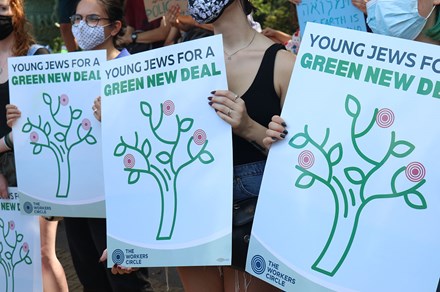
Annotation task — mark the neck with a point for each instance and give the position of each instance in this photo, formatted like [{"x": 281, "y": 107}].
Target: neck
[
  {"x": 234, "y": 27},
  {"x": 6, "y": 45}
]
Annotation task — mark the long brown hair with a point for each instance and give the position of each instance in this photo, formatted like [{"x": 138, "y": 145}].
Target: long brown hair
[{"x": 22, "y": 35}]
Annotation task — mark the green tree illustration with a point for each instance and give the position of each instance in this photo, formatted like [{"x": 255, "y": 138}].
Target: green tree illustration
[
  {"x": 59, "y": 136},
  {"x": 350, "y": 203},
  {"x": 164, "y": 166},
  {"x": 12, "y": 253}
]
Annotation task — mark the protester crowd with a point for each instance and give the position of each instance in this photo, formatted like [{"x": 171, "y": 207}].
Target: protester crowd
[{"x": 258, "y": 71}]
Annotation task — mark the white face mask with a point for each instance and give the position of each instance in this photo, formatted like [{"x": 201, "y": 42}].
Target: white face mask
[
  {"x": 398, "y": 18},
  {"x": 88, "y": 37}
]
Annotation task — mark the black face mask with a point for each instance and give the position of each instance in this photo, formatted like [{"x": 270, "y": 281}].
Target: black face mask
[{"x": 5, "y": 26}]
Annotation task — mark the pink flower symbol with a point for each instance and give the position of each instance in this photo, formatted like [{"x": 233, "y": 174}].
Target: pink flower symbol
[
  {"x": 25, "y": 247},
  {"x": 86, "y": 124},
  {"x": 64, "y": 99},
  {"x": 129, "y": 161},
  {"x": 415, "y": 171},
  {"x": 306, "y": 159},
  {"x": 199, "y": 137},
  {"x": 11, "y": 225},
  {"x": 385, "y": 118},
  {"x": 34, "y": 137},
  {"x": 168, "y": 107}
]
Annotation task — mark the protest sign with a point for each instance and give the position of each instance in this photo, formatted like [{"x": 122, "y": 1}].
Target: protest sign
[
  {"x": 349, "y": 199},
  {"x": 158, "y": 8},
  {"x": 57, "y": 140},
  {"x": 20, "y": 258},
  {"x": 340, "y": 13},
  {"x": 167, "y": 157}
]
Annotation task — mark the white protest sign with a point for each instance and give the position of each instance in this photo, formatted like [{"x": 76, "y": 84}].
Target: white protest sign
[
  {"x": 20, "y": 258},
  {"x": 340, "y": 13},
  {"x": 57, "y": 140},
  {"x": 349, "y": 200},
  {"x": 167, "y": 157}
]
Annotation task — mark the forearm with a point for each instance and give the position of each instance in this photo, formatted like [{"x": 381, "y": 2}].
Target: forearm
[
  {"x": 254, "y": 134},
  {"x": 6, "y": 143}
]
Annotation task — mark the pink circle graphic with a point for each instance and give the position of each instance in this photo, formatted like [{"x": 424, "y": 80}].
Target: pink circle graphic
[
  {"x": 64, "y": 99},
  {"x": 168, "y": 107},
  {"x": 415, "y": 171},
  {"x": 11, "y": 225},
  {"x": 34, "y": 136},
  {"x": 306, "y": 159},
  {"x": 385, "y": 118},
  {"x": 199, "y": 137},
  {"x": 129, "y": 161},
  {"x": 85, "y": 124},
  {"x": 25, "y": 247}
]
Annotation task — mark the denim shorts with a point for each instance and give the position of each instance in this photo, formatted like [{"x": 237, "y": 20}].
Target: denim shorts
[{"x": 247, "y": 180}]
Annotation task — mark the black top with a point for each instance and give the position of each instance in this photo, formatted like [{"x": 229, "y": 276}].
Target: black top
[
  {"x": 262, "y": 102},
  {"x": 4, "y": 100}
]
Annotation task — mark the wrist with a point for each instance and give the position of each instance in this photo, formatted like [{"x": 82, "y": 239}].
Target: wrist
[{"x": 134, "y": 37}]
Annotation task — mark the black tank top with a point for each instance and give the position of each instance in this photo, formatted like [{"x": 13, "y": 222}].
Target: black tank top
[
  {"x": 4, "y": 100},
  {"x": 262, "y": 102}
]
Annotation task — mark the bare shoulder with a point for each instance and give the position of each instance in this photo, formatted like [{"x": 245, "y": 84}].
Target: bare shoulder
[{"x": 284, "y": 64}]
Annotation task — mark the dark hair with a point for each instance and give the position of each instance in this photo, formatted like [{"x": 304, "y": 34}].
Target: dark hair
[
  {"x": 115, "y": 12},
  {"x": 248, "y": 7},
  {"x": 434, "y": 31}
]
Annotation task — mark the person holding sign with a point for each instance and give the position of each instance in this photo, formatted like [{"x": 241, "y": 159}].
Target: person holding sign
[
  {"x": 258, "y": 73},
  {"x": 96, "y": 25},
  {"x": 16, "y": 40}
]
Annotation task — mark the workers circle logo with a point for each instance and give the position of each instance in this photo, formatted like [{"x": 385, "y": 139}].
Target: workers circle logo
[
  {"x": 118, "y": 256},
  {"x": 258, "y": 264},
  {"x": 28, "y": 207}
]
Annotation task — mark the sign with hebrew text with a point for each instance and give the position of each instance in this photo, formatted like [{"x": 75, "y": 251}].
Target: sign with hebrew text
[
  {"x": 20, "y": 257},
  {"x": 57, "y": 140},
  {"x": 167, "y": 158},
  {"x": 340, "y": 13},
  {"x": 349, "y": 200}
]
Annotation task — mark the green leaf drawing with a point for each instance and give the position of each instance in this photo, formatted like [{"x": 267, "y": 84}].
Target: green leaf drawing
[
  {"x": 27, "y": 127},
  {"x": 402, "y": 149},
  {"x": 186, "y": 124},
  {"x": 47, "y": 128},
  {"x": 59, "y": 136},
  {"x": 304, "y": 181},
  {"x": 415, "y": 200},
  {"x": 146, "y": 148},
  {"x": 298, "y": 141},
  {"x": 352, "y": 106},
  {"x": 145, "y": 108},
  {"x": 335, "y": 154},
  {"x": 37, "y": 149},
  {"x": 133, "y": 177},
  {"x": 47, "y": 99},
  {"x": 8, "y": 255},
  {"x": 91, "y": 140},
  {"x": 163, "y": 157},
  {"x": 354, "y": 174},
  {"x": 120, "y": 150},
  {"x": 19, "y": 238},
  {"x": 28, "y": 260},
  {"x": 206, "y": 157},
  {"x": 76, "y": 114}
]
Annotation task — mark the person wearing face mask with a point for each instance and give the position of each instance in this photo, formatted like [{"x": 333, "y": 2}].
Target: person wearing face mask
[
  {"x": 258, "y": 74},
  {"x": 96, "y": 25},
  {"x": 411, "y": 19},
  {"x": 16, "y": 40}
]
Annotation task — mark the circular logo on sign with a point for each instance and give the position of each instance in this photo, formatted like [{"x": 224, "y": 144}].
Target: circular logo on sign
[
  {"x": 118, "y": 256},
  {"x": 258, "y": 264},
  {"x": 28, "y": 207}
]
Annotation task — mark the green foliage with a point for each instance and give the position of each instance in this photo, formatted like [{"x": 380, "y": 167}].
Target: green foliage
[{"x": 277, "y": 14}]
